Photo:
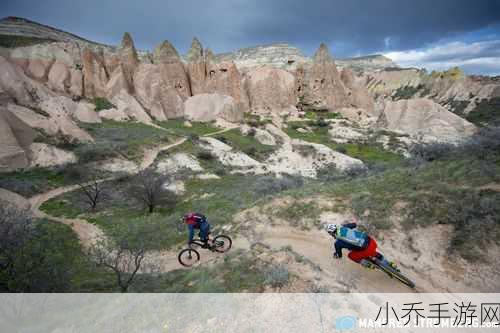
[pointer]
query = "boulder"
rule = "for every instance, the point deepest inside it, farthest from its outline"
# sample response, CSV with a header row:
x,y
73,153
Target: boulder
x,y
129,106
425,120
44,155
114,114
85,112
209,107
270,89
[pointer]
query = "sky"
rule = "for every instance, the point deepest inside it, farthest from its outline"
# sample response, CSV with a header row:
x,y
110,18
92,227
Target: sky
x,y
433,34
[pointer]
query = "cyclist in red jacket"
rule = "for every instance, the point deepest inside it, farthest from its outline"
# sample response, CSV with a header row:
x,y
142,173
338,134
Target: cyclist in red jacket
x,y
200,222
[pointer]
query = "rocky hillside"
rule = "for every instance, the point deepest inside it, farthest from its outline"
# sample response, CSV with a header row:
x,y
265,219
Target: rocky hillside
x,y
367,63
281,56
26,29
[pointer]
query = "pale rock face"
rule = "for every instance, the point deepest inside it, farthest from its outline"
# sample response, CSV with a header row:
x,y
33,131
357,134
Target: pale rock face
x,y
356,115
320,85
15,138
118,165
61,109
114,114
425,120
85,112
94,74
128,105
178,162
209,107
260,135
20,87
227,156
344,134
59,77
224,78
117,82
210,76
33,119
177,187
156,95
76,82
357,93
44,155
128,59
270,90
38,68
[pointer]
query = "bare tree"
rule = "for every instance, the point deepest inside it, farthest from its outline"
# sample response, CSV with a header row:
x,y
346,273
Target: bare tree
x,y
124,260
93,192
151,189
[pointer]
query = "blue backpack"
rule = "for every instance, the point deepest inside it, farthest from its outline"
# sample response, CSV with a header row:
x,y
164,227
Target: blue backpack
x,y
352,236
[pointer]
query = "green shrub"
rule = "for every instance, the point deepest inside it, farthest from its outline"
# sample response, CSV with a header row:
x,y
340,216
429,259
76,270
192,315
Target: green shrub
x,y
102,103
277,276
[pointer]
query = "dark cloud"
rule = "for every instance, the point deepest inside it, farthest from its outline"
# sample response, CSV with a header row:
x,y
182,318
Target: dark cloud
x,y
350,27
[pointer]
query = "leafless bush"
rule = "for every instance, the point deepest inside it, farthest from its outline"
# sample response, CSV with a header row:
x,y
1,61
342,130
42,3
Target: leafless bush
x,y
150,188
92,192
124,260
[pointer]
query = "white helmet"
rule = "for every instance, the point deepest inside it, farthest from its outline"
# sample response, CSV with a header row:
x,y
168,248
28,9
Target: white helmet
x,y
331,228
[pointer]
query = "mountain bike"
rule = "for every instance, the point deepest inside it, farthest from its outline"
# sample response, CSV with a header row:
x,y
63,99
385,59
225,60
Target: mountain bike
x,y
188,257
391,269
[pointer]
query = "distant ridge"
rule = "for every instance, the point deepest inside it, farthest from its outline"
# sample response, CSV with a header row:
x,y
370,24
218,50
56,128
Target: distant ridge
x,y
18,26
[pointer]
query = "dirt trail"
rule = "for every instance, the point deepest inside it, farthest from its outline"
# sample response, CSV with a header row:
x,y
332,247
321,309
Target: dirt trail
x,y
150,155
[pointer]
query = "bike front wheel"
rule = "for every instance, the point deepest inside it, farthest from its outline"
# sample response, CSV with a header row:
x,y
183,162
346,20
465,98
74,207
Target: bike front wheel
x,y
394,273
188,257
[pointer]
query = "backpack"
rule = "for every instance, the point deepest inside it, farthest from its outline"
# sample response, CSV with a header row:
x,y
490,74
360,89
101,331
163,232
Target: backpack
x,y
352,236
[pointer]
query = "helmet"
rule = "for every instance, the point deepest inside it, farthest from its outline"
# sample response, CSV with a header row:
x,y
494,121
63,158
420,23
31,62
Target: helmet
x,y
331,228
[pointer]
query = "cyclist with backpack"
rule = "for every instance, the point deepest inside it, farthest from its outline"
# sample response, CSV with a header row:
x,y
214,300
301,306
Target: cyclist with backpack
x,y
360,245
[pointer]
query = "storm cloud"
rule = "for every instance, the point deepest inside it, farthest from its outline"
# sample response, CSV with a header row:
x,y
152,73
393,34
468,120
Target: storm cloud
x,y
350,28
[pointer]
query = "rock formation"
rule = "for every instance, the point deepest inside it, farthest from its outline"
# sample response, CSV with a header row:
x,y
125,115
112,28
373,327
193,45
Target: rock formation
x,y
425,120
210,107
270,90
319,85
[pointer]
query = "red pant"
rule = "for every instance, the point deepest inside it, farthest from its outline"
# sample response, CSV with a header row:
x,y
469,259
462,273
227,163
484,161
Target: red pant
x,y
369,251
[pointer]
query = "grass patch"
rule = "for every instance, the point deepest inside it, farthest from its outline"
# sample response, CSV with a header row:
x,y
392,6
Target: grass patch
x,y
238,272
176,126
114,139
486,112
102,103
368,153
246,143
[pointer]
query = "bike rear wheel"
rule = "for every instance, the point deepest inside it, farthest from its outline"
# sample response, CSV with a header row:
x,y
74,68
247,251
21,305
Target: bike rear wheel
x,y
188,257
222,243
394,273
